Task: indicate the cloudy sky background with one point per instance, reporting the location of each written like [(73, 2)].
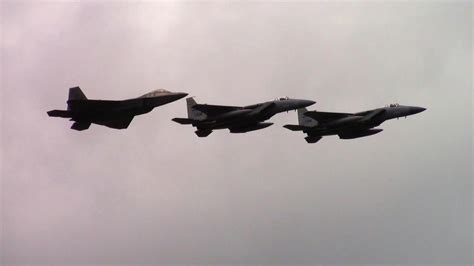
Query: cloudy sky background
[(155, 193)]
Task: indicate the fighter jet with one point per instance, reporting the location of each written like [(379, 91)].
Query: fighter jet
[(237, 119), (113, 114), (348, 126)]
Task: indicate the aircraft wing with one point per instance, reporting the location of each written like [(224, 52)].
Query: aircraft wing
[(60, 113), (95, 104), (118, 123), (295, 127), (212, 110), (323, 117), (183, 121), (261, 108), (368, 115)]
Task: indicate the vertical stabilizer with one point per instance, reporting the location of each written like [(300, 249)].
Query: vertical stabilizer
[(76, 94), (304, 120), (193, 113)]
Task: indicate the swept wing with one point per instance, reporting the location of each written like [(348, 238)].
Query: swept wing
[(117, 123), (324, 117), (213, 110)]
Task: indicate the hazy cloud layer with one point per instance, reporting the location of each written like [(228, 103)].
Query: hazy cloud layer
[(155, 193)]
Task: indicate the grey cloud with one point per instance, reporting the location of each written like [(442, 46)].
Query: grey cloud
[(155, 193)]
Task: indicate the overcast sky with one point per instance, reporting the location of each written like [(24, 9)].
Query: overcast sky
[(156, 193)]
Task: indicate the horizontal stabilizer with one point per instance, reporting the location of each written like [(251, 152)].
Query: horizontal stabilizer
[(60, 113), (81, 126), (184, 121), (295, 127)]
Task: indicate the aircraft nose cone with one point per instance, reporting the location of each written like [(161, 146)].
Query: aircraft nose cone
[(416, 110), (180, 95), (307, 103)]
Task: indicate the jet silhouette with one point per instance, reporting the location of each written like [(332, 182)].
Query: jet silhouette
[(113, 114), (237, 119), (348, 126)]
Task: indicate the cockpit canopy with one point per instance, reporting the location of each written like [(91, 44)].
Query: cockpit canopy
[(155, 93), (393, 105), (283, 98)]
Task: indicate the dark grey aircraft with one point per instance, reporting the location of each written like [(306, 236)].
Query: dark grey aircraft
[(237, 119), (348, 126), (113, 114)]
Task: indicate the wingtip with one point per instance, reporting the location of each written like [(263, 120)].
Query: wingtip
[(294, 127)]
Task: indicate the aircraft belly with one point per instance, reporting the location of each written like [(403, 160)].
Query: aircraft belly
[(99, 117), (322, 132), (223, 124), (328, 131)]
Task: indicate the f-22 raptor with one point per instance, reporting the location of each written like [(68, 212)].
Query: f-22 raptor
[(113, 114), (237, 119), (348, 126)]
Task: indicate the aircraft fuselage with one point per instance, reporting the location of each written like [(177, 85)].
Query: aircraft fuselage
[(348, 125), (113, 114)]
